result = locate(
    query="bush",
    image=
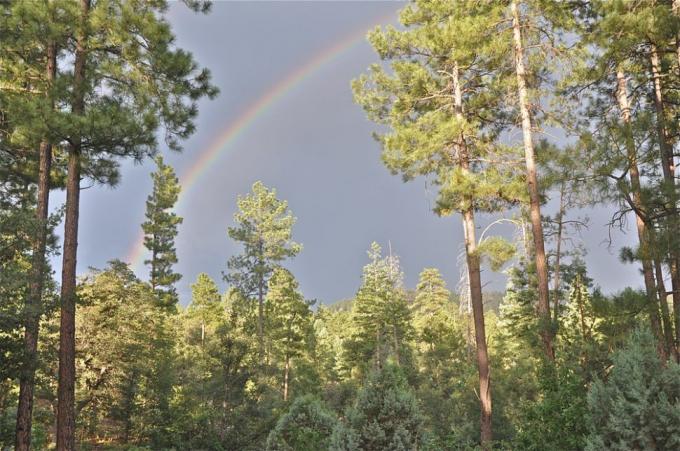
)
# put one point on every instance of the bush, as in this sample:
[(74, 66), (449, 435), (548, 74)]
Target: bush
[(638, 406), (307, 426)]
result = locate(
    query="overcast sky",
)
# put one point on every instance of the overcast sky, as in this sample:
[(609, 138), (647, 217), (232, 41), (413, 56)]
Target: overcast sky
[(313, 145)]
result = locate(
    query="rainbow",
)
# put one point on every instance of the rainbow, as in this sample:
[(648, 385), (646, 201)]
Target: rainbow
[(224, 140)]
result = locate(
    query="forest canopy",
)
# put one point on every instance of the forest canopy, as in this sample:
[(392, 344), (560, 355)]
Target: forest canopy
[(463, 94)]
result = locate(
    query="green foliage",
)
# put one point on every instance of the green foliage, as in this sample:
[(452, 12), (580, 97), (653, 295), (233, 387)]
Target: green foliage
[(386, 416), (160, 230), (125, 359), (558, 419), (638, 405), (307, 426), (264, 226), (380, 315)]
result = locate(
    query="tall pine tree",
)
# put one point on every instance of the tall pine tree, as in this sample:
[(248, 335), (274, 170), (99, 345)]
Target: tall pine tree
[(160, 230), (264, 226)]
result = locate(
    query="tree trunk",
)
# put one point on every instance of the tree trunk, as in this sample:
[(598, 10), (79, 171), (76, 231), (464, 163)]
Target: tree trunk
[(665, 316), (558, 255), (286, 372), (475, 283), (635, 199), (395, 340), (532, 185), (676, 11), (33, 308), (668, 169), (260, 305), (66, 420)]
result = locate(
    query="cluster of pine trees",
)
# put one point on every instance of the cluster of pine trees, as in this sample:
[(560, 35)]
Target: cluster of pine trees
[(468, 94)]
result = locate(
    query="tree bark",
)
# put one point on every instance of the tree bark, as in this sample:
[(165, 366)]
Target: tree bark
[(286, 372), (474, 274), (532, 186), (33, 308), (665, 316), (260, 304), (558, 256), (676, 11), (635, 199), (66, 420), (668, 169)]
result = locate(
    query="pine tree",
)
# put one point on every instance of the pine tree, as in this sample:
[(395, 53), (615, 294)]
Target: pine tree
[(442, 102), (307, 426), (289, 322), (206, 305), (380, 315), (637, 406), (127, 81), (27, 95), (264, 226), (432, 311), (160, 230), (385, 416)]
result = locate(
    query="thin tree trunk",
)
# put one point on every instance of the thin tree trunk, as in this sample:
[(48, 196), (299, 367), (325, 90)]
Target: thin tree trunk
[(635, 199), (33, 309), (286, 372), (260, 304), (668, 169), (558, 256), (66, 421), (665, 316), (395, 340), (532, 185), (675, 282), (475, 283), (676, 11)]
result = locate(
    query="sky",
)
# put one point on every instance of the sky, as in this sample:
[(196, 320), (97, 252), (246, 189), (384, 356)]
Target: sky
[(313, 144)]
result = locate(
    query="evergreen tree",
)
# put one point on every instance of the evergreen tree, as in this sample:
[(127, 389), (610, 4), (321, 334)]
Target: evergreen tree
[(124, 380), (443, 105), (289, 322), (160, 230), (206, 305), (386, 415), (638, 405), (27, 75), (264, 226), (307, 426), (127, 81), (380, 315)]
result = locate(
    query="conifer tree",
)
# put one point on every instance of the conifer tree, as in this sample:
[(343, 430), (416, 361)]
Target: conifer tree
[(385, 416), (264, 226), (160, 230), (205, 304), (307, 426), (380, 315), (442, 101), (289, 322), (127, 81), (28, 55), (637, 406)]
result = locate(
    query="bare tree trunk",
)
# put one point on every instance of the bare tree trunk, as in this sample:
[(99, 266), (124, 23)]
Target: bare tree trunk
[(532, 185), (676, 11), (474, 273), (33, 308), (635, 199), (665, 316), (260, 304), (668, 169), (558, 256), (395, 340), (286, 372), (66, 421)]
